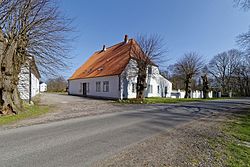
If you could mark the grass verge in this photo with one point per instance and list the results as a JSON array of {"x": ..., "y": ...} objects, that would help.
[
  {"x": 30, "y": 112},
  {"x": 154, "y": 100},
  {"x": 238, "y": 149},
  {"x": 235, "y": 143}
]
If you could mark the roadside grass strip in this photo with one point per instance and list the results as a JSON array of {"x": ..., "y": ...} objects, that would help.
[
  {"x": 238, "y": 149},
  {"x": 30, "y": 111},
  {"x": 235, "y": 150}
]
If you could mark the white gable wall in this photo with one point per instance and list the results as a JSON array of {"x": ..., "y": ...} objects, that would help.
[
  {"x": 76, "y": 88},
  {"x": 129, "y": 77},
  {"x": 23, "y": 84}
]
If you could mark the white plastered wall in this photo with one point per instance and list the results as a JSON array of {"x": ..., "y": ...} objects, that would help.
[
  {"x": 23, "y": 84},
  {"x": 129, "y": 76},
  {"x": 75, "y": 87}
]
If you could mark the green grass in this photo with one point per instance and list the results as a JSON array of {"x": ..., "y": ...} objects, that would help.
[
  {"x": 236, "y": 134},
  {"x": 30, "y": 112},
  {"x": 240, "y": 128},
  {"x": 237, "y": 152},
  {"x": 153, "y": 100}
]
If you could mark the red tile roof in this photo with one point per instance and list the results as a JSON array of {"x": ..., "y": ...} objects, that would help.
[{"x": 110, "y": 62}]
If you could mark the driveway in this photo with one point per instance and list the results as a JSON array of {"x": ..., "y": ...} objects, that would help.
[
  {"x": 86, "y": 140},
  {"x": 64, "y": 107}
]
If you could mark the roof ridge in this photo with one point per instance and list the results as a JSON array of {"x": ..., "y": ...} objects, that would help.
[{"x": 113, "y": 45}]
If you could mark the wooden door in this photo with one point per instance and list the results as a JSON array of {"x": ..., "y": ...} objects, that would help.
[{"x": 84, "y": 89}]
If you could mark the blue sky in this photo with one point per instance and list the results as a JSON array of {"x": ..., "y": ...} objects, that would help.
[{"x": 204, "y": 26}]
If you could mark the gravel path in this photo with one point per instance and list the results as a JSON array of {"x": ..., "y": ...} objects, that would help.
[
  {"x": 184, "y": 146},
  {"x": 64, "y": 107}
]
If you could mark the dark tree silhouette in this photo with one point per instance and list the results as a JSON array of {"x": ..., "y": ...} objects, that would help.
[
  {"x": 151, "y": 52},
  {"x": 188, "y": 67},
  {"x": 58, "y": 84},
  {"x": 223, "y": 66},
  {"x": 244, "y": 4}
]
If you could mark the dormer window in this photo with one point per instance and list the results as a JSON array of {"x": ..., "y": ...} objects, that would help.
[{"x": 100, "y": 69}]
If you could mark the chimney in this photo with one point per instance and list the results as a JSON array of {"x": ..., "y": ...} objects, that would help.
[
  {"x": 104, "y": 48},
  {"x": 126, "y": 39}
]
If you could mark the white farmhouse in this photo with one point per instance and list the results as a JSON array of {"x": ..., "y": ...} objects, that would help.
[
  {"x": 28, "y": 85},
  {"x": 43, "y": 87},
  {"x": 111, "y": 73}
]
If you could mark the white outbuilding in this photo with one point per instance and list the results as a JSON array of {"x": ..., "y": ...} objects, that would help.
[
  {"x": 28, "y": 85},
  {"x": 111, "y": 73},
  {"x": 43, "y": 87}
]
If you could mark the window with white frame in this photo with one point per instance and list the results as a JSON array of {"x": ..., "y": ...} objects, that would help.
[
  {"x": 105, "y": 86},
  {"x": 150, "y": 89},
  {"x": 133, "y": 87},
  {"x": 88, "y": 87},
  {"x": 98, "y": 86},
  {"x": 158, "y": 89},
  {"x": 80, "y": 90}
]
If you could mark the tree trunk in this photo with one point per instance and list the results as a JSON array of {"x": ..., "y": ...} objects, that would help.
[
  {"x": 223, "y": 87},
  {"x": 10, "y": 68},
  {"x": 188, "y": 87},
  {"x": 205, "y": 87},
  {"x": 247, "y": 88},
  {"x": 141, "y": 82}
]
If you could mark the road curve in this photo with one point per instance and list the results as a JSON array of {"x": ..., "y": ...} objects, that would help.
[{"x": 83, "y": 141}]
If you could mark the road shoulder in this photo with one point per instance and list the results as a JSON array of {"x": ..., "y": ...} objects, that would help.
[{"x": 187, "y": 145}]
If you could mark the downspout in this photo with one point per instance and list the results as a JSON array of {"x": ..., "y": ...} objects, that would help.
[
  {"x": 30, "y": 83},
  {"x": 119, "y": 87}
]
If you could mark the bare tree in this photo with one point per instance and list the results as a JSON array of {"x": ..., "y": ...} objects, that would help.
[
  {"x": 151, "y": 52},
  {"x": 188, "y": 67},
  {"x": 241, "y": 77},
  {"x": 243, "y": 41},
  {"x": 244, "y": 4},
  {"x": 223, "y": 66},
  {"x": 58, "y": 84},
  {"x": 29, "y": 29},
  {"x": 205, "y": 82}
]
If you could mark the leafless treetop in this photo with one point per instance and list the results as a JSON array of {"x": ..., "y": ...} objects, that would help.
[
  {"x": 191, "y": 64},
  {"x": 244, "y": 4},
  {"x": 39, "y": 29},
  {"x": 153, "y": 47}
]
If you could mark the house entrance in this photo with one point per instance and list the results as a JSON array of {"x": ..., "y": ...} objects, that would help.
[{"x": 84, "y": 89}]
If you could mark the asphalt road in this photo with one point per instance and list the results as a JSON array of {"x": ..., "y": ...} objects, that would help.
[{"x": 83, "y": 141}]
